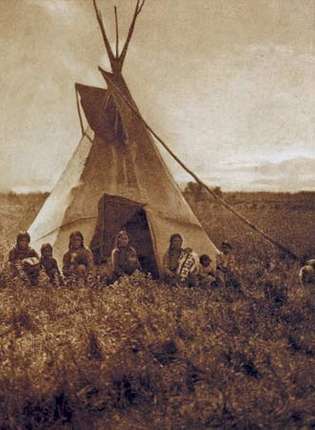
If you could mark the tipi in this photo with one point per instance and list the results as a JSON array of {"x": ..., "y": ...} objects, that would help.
[{"x": 117, "y": 178}]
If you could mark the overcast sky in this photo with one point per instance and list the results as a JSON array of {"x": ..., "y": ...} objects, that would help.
[{"x": 229, "y": 84}]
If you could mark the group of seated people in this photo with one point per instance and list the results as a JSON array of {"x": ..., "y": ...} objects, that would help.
[{"x": 181, "y": 266}]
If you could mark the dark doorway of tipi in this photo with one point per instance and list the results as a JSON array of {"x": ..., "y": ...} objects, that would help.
[
  {"x": 115, "y": 214},
  {"x": 140, "y": 237}
]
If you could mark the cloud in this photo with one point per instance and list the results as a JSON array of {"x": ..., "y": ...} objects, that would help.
[
  {"x": 294, "y": 170},
  {"x": 295, "y": 174},
  {"x": 58, "y": 8}
]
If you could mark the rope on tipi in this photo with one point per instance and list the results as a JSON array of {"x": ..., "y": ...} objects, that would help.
[{"x": 222, "y": 201}]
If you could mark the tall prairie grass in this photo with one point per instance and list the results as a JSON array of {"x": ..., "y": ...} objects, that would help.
[{"x": 139, "y": 354}]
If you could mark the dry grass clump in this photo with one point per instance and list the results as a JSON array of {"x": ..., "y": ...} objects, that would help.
[{"x": 139, "y": 354}]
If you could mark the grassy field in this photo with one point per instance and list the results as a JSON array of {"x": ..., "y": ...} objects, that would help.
[
  {"x": 288, "y": 218},
  {"x": 142, "y": 355}
]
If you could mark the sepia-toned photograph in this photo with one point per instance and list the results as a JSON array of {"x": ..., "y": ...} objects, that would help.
[{"x": 157, "y": 214}]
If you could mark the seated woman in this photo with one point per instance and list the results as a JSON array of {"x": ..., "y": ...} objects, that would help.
[
  {"x": 78, "y": 260},
  {"x": 171, "y": 259},
  {"x": 180, "y": 265},
  {"x": 20, "y": 252},
  {"x": 124, "y": 257}
]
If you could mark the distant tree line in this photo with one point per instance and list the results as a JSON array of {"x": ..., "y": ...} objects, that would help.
[{"x": 199, "y": 192}]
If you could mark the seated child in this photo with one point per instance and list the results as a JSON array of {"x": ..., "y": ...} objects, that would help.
[
  {"x": 32, "y": 270},
  {"x": 206, "y": 277},
  {"x": 50, "y": 265}
]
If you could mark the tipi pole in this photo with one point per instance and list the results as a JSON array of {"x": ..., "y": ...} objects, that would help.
[
  {"x": 79, "y": 112},
  {"x": 200, "y": 182},
  {"x": 117, "y": 34}
]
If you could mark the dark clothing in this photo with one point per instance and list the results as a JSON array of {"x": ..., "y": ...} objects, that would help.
[
  {"x": 16, "y": 257},
  {"x": 51, "y": 268},
  {"x": 227, "y": 273},
  {"x": 124, "y": 261},
  {"x": 17, "y": 254},
  {"x": 75, "y": 258}
]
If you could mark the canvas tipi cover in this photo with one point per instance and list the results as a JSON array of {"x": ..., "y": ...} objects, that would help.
[{"x": 116, "y": 171}]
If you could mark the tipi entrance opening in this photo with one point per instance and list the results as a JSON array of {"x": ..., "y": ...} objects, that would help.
[
  {"x": 140, "y": 238},
  {"x": 117, "y": 213}
]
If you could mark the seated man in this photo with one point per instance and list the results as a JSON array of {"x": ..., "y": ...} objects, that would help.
[
  {"x": 206, "y": 276},
  {"x": 124, "y": 257},
  {"x": 307, "y": 274},
  {"x": 226, "y": 267},
  {"x": 225, "y": 258},
  {"x": 49, "y": 264},
  {"x": 20, "y": 252},
  {"x": 78, "y": 260}
]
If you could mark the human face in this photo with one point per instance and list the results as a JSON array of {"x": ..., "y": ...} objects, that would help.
[
  {"x": 23, "y": 243},
  {"x": 206, "y": 262},
  {"x": 76, "y": 242},
  {"x": 176, "y": 243},
  {"x": 47, "y": 253},
  {"x": 123, "y": 240},
  {"x": 225, "y": 250}
]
